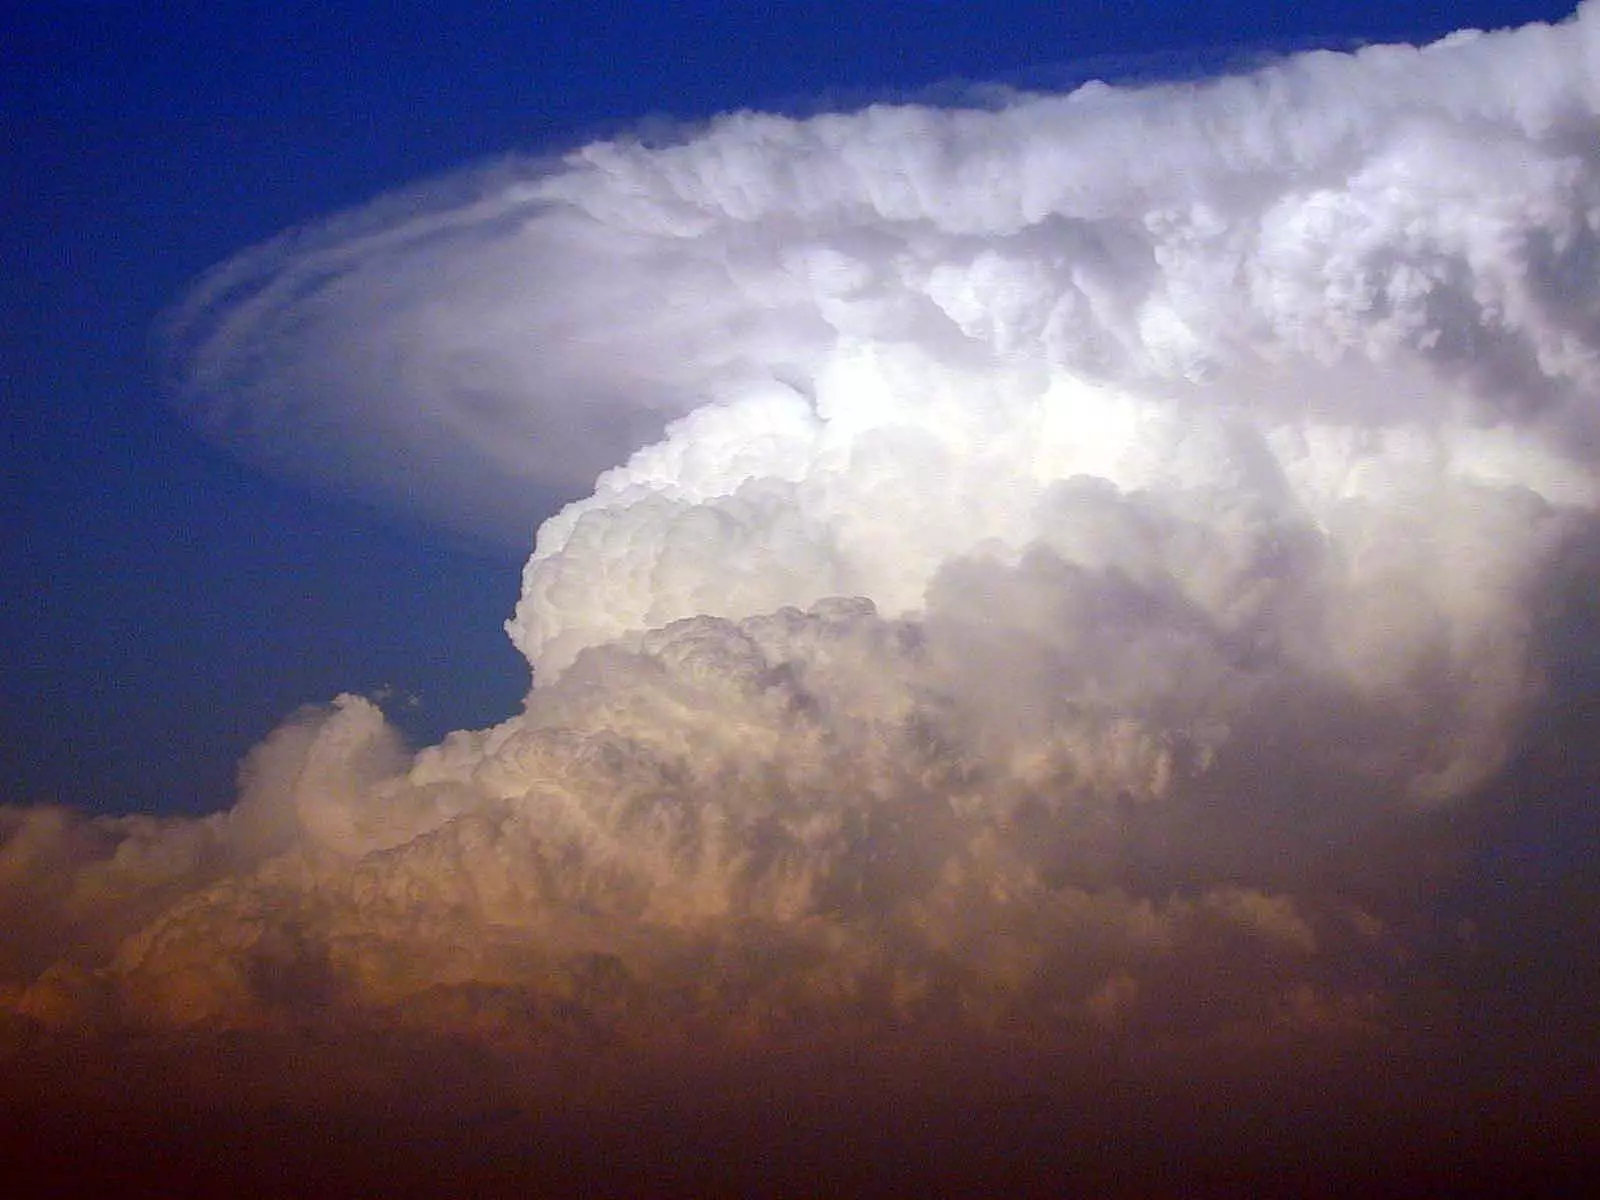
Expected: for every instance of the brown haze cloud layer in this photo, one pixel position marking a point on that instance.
(1066, 612)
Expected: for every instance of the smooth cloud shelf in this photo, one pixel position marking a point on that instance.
(1040, 551)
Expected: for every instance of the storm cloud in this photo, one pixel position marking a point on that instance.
(1048, 568)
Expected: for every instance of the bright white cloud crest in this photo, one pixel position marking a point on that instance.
(1193, 455)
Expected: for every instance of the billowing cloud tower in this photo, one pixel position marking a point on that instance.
(1052, 562)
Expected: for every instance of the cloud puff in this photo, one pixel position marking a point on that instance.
(1040, 555)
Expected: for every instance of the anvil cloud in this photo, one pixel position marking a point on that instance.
(1032, 552)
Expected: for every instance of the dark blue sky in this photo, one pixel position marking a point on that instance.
(164, 606)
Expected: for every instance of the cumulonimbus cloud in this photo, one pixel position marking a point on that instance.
(1021, 540)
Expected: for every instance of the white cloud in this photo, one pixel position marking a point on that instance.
(1190, 461)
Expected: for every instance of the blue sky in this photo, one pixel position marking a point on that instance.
(165, 605)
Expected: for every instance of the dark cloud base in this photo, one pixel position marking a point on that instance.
(248, 1115)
